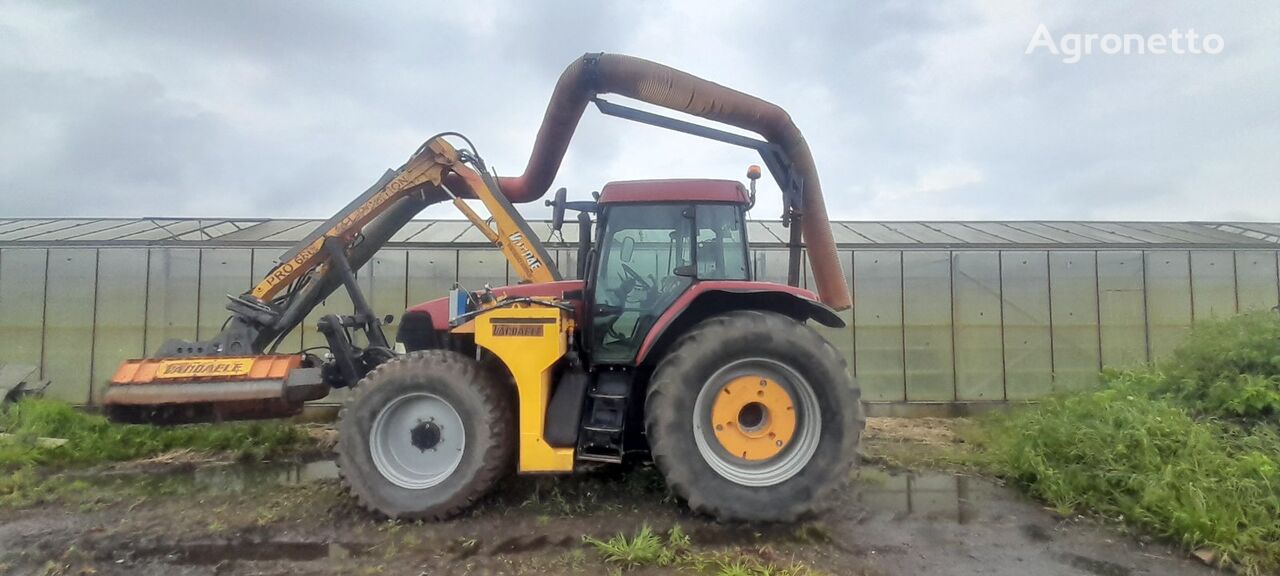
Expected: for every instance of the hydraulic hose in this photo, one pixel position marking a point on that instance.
(650, 82)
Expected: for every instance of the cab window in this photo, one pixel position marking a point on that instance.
(722, 245)
(646, 261)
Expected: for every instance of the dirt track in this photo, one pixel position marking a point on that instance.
(291, 519)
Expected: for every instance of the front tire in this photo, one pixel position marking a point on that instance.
(753, 416)
(425, 435)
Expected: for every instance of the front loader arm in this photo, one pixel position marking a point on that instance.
(237, 374)
(514, 237)
(426, 168)
(306, 274)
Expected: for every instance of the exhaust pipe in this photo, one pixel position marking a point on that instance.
(650, 82)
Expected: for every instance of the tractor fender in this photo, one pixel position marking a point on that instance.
(710, 297)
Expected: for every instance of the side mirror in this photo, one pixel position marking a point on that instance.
(557, 208)
(628, 249)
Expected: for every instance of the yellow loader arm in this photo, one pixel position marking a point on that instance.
(237, 374)
(428, 167)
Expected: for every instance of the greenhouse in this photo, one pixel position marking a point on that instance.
(944, 312)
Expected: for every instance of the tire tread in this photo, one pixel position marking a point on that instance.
(495, 463)
(660, 425)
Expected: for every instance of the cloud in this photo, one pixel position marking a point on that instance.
(912, 110)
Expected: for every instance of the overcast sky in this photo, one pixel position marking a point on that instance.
(914, 110)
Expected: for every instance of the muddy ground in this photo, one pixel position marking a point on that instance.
(180, 516)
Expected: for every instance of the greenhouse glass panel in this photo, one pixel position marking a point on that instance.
(223, 272)
(431, 274)
(386, 278)
(841, 338)
(1256, 279)
(1073, 290)
(173, 285)
(979, 347)
(1122, 308)
(264, 260)
(1027, 340)
(68, 323)
(22, 304)
(771, 266)
(1213, 285)
(926, 301)
(1168, 282)
(480, 266)
(877, 296)
(120, 320)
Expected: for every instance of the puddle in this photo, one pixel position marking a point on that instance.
(240, 476)
(927, 496)
(214, 553)
(233, 478)
(896, 496)
(997, 521)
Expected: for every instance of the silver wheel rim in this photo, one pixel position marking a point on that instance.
(785, 464)
(417, 440)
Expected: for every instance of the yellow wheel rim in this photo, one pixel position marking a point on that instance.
(753, 417)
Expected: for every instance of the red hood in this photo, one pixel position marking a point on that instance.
(439, 308)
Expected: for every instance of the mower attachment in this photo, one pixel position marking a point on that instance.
(212, 388)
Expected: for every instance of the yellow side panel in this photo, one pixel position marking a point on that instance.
(529, 341)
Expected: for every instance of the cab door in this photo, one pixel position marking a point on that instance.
(644, 262)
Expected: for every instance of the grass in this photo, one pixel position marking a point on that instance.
(28, 467)
(28, 486)
(1228, 369)
(675, 549)
(612, 491)
(1189, 450)
(643, 549)
(92, 439)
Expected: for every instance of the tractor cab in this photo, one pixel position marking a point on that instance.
(659, 258)
(655, 239)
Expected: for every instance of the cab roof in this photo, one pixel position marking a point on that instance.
(699, 190)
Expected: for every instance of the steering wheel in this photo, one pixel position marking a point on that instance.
(634, 276)
(631, 280)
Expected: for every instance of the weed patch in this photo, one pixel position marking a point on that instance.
(1228, 368)
(676, 549)
(1189, 451)
(93, 439)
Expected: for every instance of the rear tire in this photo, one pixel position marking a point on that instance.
(801, 418)
(425, 436)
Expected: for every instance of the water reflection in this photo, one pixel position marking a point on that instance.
(212, 477)
(283, 474)
(926, 496)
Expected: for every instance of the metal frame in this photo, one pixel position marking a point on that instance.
(351, 362)
(773, 156)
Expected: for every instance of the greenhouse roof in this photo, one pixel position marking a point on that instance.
(847, 233)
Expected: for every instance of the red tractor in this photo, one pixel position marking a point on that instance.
(665, 346)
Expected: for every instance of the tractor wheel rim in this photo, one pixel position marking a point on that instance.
(753, 417)
(417, 440)
(769, 422)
